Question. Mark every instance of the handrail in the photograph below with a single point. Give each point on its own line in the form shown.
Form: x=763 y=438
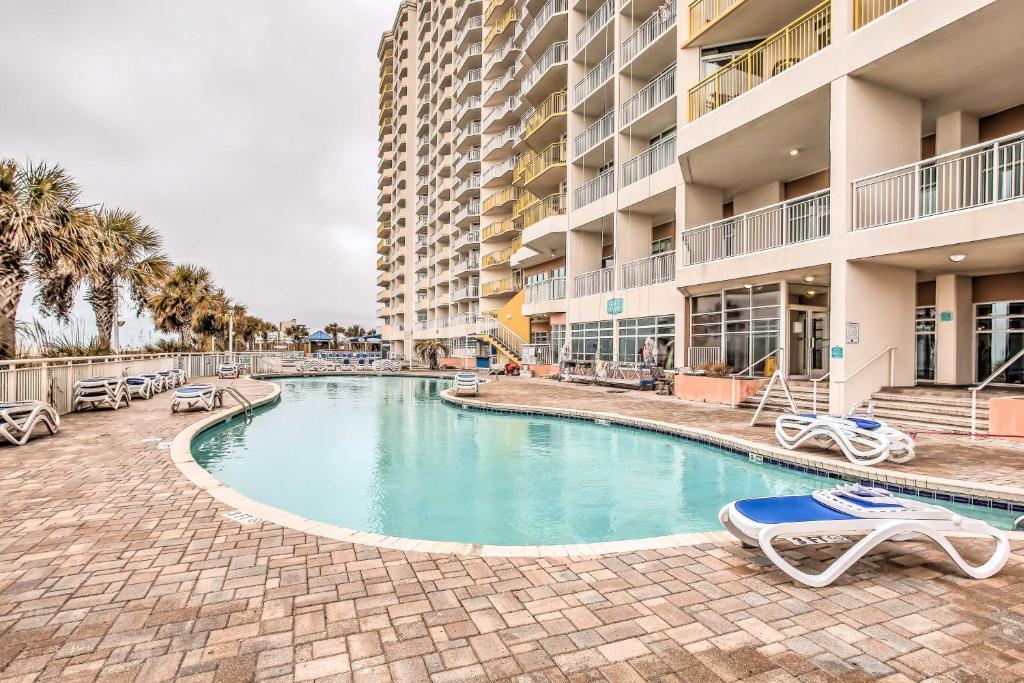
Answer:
x=734 y=376
x=975 y=389
x=891 y=350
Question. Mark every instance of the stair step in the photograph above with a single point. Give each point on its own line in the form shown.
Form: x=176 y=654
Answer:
x=924 y=423
x=895 y=407
x=928 y=399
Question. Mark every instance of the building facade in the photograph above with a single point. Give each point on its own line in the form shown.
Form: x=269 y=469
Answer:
x=835 y=186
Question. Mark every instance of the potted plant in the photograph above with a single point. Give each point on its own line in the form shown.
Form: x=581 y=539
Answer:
x=714 y=383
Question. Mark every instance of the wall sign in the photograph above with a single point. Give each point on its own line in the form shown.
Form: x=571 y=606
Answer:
x=946 y=316
x=615 y=306
x=853 y=333
x=837 y=352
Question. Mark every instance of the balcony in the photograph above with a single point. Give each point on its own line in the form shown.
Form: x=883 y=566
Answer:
x=382 y=263
x=501 y=172
x=465 y=186
x=551 y=21
x=546 y=167
x=508 y=285
x=496 y=144
x=594 y=282
x=545 y=120
x=501 y=200
x=470 y=292
x=472 y=25
x=498 y=87
x=804 y=37
x=598 y=132
x=957 y=181
x=498 y=229
x=658 y=156
x=591 y=84
x=461 y=161
x=509 y=19
x=544 y=70
x=588 y=193
x=466 y=239
x=538 y=210
x=596 y=24
x=466 y=212
x=545 y=290
x=383 y=247
x=866 y=11
x=659 y=23
x=383 y=230
x=652 y=270
x=466 y=107
x=498 y=259
x=496 y=59
x=656 y=93
x=470 y=56
x=790 y=222
x=497 y=114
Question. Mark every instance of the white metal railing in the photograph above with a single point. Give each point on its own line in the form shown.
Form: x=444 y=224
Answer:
x=471 y=24
x=658 y=91
x=465 y=293
x=651 y=270
x=594 y=79
x=472 y=102
x=501 y=168
x=465 y=210
x=549 y=10
x=981 y=385
x=510 y=340
x=501 y=110
x=468 y=183
x=464 y=319
x=748 y=371
x=703 y=355
x=659 y=22
x=468 y=237
x=501 y=82
x=983 y=174
x=498 y=55
x=472 y=76
x=658 y=156
x=545 y=290
x=595 y=23
x=796 y=220
x=473 y=50
x=502 y=138
x=558 y=53
x=596 y=133
x=601 y=186
x=594 y=282
x=472 y=155
x=888 y=350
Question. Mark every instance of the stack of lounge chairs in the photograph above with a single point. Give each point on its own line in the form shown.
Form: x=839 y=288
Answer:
x=193 y=396
x=173 y=378
x=315 y=365
x=101 y=392
x=228 y=371
x=141 y=386
x=384 y=365
x=18 y=419
x=467 y=381
x=825 y=515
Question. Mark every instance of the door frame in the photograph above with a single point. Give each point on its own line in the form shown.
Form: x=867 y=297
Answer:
x=810 y=311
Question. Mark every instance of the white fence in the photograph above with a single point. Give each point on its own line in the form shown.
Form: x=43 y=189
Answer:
x=660 y=21
x=601 y=186
x=649 y=271
x=594 y=79
x=650 y=96
x=797 y=220
x=598 y=132
x=974 y=176
x=594 y=282
x=545 y=290
x=594 y=24
x=703 y=355
x=656 y=157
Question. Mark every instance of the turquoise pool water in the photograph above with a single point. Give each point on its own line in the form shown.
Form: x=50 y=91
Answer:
x=386 y=455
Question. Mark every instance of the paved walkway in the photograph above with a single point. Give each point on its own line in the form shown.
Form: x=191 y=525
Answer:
x=114 y=567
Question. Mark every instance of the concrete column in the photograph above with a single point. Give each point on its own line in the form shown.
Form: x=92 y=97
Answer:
x=954 y=339
x=632 y=236
x=954 y=131
x=697 y=205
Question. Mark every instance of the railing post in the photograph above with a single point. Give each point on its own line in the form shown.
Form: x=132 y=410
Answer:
x=995 y=172
x=974 y=414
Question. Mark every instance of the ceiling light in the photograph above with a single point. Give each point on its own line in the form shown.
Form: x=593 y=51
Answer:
x=811 y=292
x=748 y=286
x=957 y=258
x=808 y=278
x=794 y=152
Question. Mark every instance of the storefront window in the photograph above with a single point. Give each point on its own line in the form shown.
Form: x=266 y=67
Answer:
x=633 y=332
x=999 y=335
x=925 y=342
x=743 y=323
x=592 y=341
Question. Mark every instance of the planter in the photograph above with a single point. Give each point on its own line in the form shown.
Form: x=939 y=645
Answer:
x=1006 y=416
x=715 y=389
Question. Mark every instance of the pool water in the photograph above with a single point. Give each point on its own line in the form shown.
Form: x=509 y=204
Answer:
x=387 y=455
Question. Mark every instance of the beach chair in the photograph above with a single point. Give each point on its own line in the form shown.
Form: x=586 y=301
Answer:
x=157 y=381
x=228 y=371
x=172 y=378
x=825 y=515
x=19 y=419
x=101 y=392
x=467 y=381
x=140 y=387
x=863 y=440
x=192 y=396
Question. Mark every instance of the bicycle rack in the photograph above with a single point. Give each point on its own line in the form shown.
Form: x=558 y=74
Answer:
x=242 y=400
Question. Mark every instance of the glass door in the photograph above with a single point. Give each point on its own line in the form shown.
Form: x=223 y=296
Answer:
x=818 y=338
x=999 y=335
x=924 y=334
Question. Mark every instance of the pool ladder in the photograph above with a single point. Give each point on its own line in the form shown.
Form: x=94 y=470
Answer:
x=242 y=400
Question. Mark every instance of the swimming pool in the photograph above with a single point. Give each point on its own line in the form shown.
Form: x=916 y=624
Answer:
x=387 y=455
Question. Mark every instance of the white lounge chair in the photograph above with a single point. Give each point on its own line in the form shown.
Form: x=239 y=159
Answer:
x=101 y=392
x=192 y=396
x=875 y=512
x=157 y=381
x=228 y=371
x=173 y=378
x=140 y=387
x=863 y=440
x=467 y=381
x=18 y=419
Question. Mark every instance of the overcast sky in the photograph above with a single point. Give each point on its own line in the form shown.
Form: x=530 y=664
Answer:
x=244 y=130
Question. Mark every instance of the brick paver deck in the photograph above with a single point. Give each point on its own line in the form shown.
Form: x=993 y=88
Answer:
x=114 y=567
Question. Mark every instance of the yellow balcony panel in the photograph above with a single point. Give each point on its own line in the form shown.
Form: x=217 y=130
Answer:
x=500 y=200
x=717 y=22
x=866 y=11
x=552 y=205
x=802 y=38
x=508 y=285
x=498 y=258
x=510 y=17
x=539 y=170
x=524 y=200
x=383 y=247
x=545 y=123
x=382 y=262
x=498 y=229
x=492 y=9
x=383 y=230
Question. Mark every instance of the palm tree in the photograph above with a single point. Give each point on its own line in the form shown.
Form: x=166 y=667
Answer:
x=129 y=259
x=333 y=329
x=431 y=351
x=185 y=293
x=44 y=235
x=355 y=331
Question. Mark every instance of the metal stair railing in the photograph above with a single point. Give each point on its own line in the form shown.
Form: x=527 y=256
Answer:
x=242 y=400
x=975 y=389
x=780 y=351
x=493 y=328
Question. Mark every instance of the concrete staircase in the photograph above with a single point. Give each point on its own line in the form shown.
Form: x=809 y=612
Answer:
x=916 y=409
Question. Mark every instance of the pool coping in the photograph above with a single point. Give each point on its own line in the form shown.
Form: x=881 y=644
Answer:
x=181 y=456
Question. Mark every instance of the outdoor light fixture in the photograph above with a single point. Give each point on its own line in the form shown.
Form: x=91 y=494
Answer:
x=794 y=152
x=811 y=292
x=748 y=286
x=808 y=278
x=957 y=258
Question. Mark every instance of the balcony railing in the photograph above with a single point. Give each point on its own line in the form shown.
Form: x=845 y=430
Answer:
x=804 y=37
x=503 y=286
x=558 y=53
x=649 y=271
x=552 y=205
x=660 y=90
x=550 y=9
x=660 y=21
x=594 y=79
x=988 y=173
x=595 y=23
x=501 y=110
x=509 y=194
x=655 y=158
x=594 y=282
x=532 y=165
x=790 y=222
x=501 y=82
x=595 y=134
x=866 y=11
x=473 y=50
x=499 y=55
x=471 y=24
x=498 y=228
x=470 y=237
x=601 y=186
x=703 y=13
x=471 y=103
x=497 y=258
x=545 y=290
x=552 y=106
x=511 y=16
x=465 y=266
x=468 y=183
x=466 y=210
x=502 y=167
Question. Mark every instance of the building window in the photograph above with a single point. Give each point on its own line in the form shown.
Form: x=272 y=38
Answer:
x=633 y=332
x=607 y=262
x=663 y=135
x=999 y=335
x=743 y=324
x=924 y=331
x=592 y=341
x=538 y=338
x=557 y=342
x=661 y=246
